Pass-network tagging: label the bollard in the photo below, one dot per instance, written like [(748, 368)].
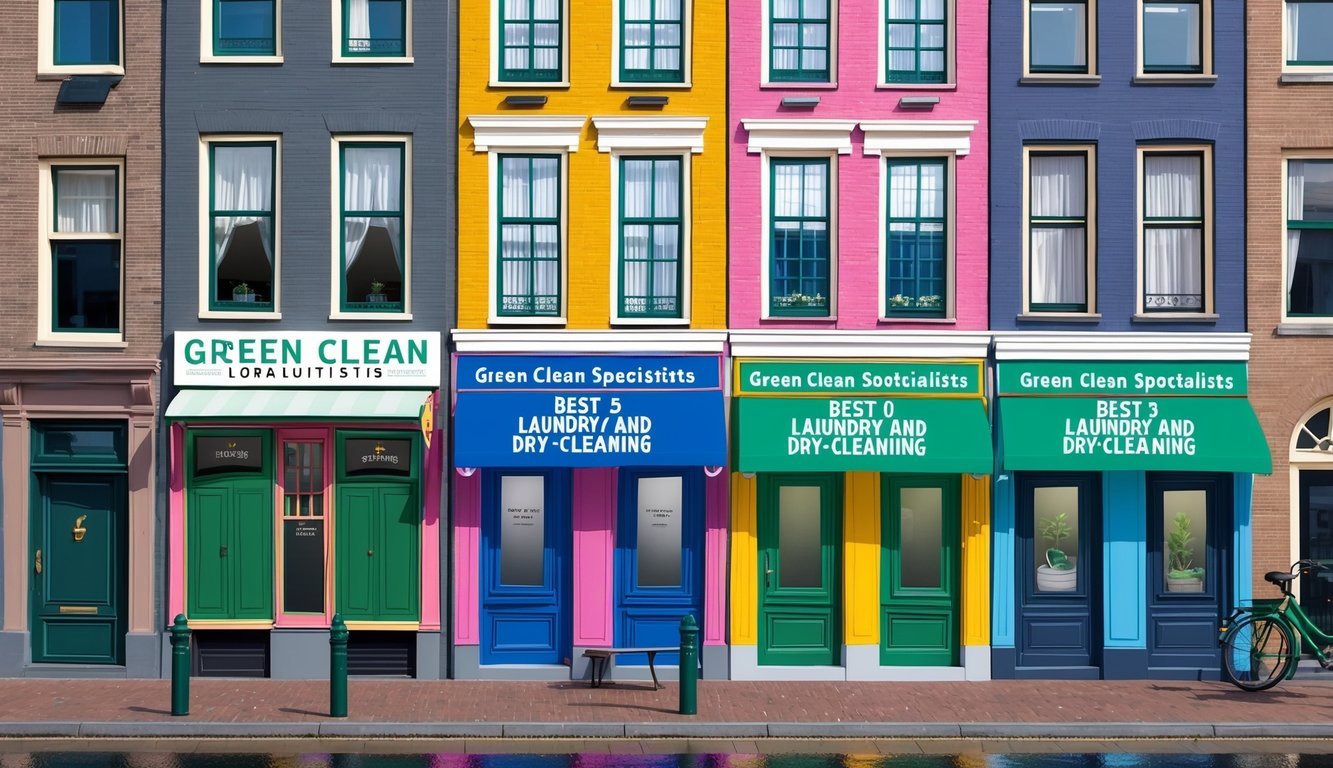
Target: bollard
[(180, 665), (689, 666), (338, 667)]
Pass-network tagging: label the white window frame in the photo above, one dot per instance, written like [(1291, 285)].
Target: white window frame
[(336, 26), (1142, 152), (494, 26), (1208, 74), (1288, 319), (624, 137), (206, 55), (950, 52), (46, 333), (766, 55), (1090, 225), (519, 134), (46, 48), (1321, 74), (205, 224), (686, 50), (1092, 75), (335, 230)]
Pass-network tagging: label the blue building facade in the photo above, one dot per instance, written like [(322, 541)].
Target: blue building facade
[(1125, 442)]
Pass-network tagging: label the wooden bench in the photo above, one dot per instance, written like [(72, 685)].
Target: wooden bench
[(601, 657)]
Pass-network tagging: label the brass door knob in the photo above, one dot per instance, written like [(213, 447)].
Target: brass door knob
[(37, 562), (370, 553)]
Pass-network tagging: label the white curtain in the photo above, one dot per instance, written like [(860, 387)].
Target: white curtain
[(1293, 30), (530, 188), (652, 189), (546, 36), (1173, 256), (358, 25), (87, 200), (1057, 262), (242, 181), (1295, 212), (372, 181)]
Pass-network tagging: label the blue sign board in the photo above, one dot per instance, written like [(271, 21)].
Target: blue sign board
[(588, 411)]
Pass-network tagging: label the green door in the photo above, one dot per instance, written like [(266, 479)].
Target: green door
[(377, 530), (78, 535), (229, 525), (919, 570), (800, 591)]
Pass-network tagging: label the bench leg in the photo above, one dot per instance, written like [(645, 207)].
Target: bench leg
[(597, 665), (653, 670)]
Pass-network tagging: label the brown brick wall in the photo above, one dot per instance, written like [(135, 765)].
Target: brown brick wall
[(1288, 375), (128, 126)]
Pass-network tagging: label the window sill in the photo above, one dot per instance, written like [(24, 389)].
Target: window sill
[(798, 86), (676, 321), (222, 314), (916, 86), (1174, 317), (1034, 79), (373, 60), (929, 320), (1295, 328), (799, 319), (1296, 78), (1167, 78), (637, 86), (62, 72), (528, 86), (371, 316), (1059, 317), (547, 321), (241, 59), (80, 342)]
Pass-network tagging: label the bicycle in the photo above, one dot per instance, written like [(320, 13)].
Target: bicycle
[(1260, 645)]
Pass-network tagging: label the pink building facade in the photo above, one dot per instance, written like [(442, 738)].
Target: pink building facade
[(858, 267)]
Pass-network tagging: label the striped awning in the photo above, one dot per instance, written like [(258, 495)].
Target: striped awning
[(290, 404)]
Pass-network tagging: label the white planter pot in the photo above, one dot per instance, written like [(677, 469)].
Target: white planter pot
[(1174, 584), (1051, 580)]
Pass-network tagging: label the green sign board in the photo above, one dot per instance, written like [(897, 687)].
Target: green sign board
[(788, 434), (1201, 434), (1156, 378), (858, 377)]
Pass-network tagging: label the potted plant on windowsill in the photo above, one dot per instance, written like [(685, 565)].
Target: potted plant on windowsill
[(1182, 576), (243, 293), (377, 294), (1059, 573)]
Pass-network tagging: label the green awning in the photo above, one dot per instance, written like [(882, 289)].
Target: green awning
[(905, 434), (284, 404), (1201, 434)]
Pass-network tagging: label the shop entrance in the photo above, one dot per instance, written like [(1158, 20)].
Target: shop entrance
[(377, 524), (78, 531), (526, 568), (659, 558), (1188, 524), (800, 591), (919, 571), (1316, 489), (1059, 606)]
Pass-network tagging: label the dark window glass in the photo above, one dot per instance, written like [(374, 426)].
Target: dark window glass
[(378, 457), (223, 453), (87, 32), (799, 239), (374, 28), (1172, 37), (244, 28), (918, 203), (1310, 237), (372, 218), (242, 216), (1058, 35), (87, 286)]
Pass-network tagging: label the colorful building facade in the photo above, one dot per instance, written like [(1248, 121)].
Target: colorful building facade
[(858, 285), (589, 488), (1126, 443)]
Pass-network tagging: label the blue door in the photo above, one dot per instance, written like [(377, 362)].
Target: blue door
[(1059, 575), (525, 545), (1189, 523), (659, 557)]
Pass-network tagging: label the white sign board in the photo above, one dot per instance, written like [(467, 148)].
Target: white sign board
[(308, 359)]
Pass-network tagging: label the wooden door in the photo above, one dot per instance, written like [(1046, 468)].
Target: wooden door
[(800, 598), (919, 570)]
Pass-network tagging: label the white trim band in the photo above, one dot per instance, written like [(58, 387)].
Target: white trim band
[(851, 344), (557, 342), (1094, 345), (683, 134), (490, 132), (808, 135), (890, 136)]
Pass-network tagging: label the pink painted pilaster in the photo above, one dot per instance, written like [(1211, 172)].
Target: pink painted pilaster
[(594, 523), (430, 534), (176, 521), (717, 508), (467, 558)]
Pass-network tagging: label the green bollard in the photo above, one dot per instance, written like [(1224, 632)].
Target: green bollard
[(338, 667), (689, 666), (180, 665)]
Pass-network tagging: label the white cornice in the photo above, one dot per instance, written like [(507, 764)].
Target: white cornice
[(888, 136), (657, 133), (1073, 345), (800, 135), (909, 344), (561, 132), (563, 342)]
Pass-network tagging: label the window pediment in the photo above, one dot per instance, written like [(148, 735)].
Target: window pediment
[(893, 136), (491, 132)]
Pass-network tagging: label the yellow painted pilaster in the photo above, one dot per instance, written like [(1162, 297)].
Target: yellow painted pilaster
[(861, 558), (976, 560), (744, 560)]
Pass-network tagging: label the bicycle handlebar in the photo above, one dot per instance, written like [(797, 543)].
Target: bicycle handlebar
[(1307, 566)]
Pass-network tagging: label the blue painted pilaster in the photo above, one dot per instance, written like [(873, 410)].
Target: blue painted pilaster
[(1002, 563), (1242, 548), (1125, 559)]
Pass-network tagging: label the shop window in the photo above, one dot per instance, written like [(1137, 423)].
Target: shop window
[(83, 240), (531, 41), (86, 33), (1309, 256), (303, 526), (1309, 43), (1059, 218), (799, 237), (652, 41), (1175, 243), (921, 537), (1060, 36), (799, 35), (243, 242), (660, 546), (650, 237), (917, 253), (1056, 538), (530, 250), (374, 28), (1184, 539), (799, 537), (1172, 33), (62, 443), (1316, 434), (522, 530), (245, 27), (375, 254), (915, 39)]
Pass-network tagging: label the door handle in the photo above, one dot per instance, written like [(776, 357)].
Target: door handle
[(767, 571), (222, 551), (37, 562), (79, 530), (370, 553)]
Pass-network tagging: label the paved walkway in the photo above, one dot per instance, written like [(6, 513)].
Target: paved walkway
[(996, 709)]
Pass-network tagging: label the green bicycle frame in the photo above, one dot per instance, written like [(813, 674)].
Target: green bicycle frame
[(1288, 610)]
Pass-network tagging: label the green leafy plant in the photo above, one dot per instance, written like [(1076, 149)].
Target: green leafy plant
[(1180, 548), (376, 286), (241, 289), (1054, 530)]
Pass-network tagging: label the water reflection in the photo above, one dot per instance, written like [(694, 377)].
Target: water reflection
[(1110, 760)]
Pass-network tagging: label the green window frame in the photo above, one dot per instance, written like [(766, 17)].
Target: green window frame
[(1166, 303), (920, 37), (529, 236), (244, 46), (1089, 44), (800, 243), (651, 242), (1200, 8), (67, 257), (1058, 222), (652, 41), (257, 302), (523, 57), (1309, 228), (916, 254), (798, 40), (1292, 24), (388, 215), (369, 44)]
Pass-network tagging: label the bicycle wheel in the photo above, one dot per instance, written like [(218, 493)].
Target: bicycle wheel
[(1257, 652)]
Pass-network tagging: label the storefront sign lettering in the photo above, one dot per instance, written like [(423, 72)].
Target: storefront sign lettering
[(863, 377), (1150, 378), (223, 453), (1129, 427), (587, 372), (307, 359), (378, 457)]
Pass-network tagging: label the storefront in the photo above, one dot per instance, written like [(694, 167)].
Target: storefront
[(860, 510), (1122, 506), (305, 481), (589, 509)]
